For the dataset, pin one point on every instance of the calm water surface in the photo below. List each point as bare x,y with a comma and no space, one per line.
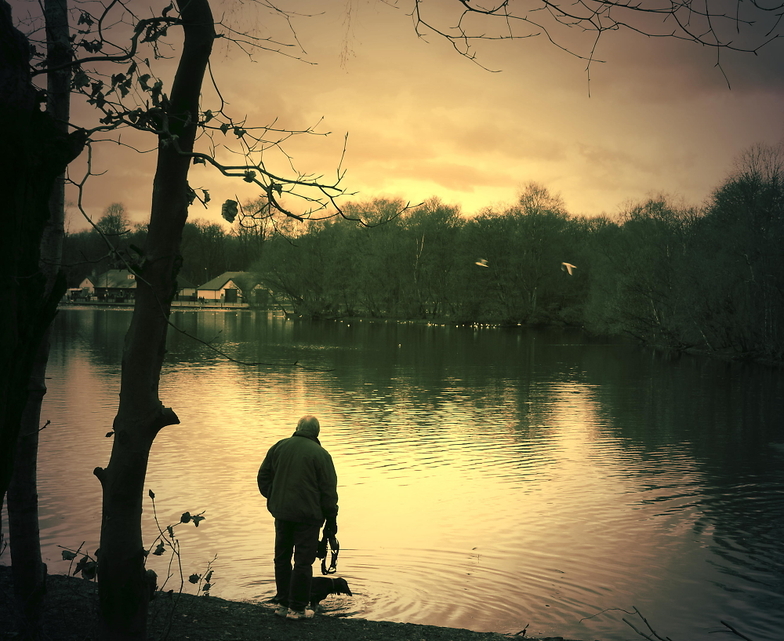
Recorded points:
489,479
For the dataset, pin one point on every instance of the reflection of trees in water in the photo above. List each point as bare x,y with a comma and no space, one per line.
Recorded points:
424,379
98,332
724,416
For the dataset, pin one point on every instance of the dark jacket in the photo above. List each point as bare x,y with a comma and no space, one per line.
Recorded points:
299,480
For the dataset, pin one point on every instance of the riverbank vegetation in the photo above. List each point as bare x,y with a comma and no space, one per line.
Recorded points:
709,279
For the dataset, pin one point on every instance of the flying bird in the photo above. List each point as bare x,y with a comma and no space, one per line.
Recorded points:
482,262
568,267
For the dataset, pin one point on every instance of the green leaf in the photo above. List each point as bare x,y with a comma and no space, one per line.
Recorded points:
80,80
150,493
194,578
197,519
156,91
170,530
186,517
87,567
229,210
89,570
68,555
160,549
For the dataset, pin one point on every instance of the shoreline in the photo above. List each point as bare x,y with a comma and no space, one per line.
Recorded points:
70,614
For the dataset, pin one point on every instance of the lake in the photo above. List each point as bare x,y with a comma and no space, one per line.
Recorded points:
489,478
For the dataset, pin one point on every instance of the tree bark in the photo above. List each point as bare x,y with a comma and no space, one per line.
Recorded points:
33,152
124,588
29,571
27,567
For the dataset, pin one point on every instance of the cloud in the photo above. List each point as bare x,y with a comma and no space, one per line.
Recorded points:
423,121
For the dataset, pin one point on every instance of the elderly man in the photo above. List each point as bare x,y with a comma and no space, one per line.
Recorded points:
298,480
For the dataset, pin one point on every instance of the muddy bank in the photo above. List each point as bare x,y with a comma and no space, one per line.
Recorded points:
71,615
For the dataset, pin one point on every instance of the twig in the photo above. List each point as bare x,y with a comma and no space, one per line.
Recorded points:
734,631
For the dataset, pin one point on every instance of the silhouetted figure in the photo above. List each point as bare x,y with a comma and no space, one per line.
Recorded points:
299,481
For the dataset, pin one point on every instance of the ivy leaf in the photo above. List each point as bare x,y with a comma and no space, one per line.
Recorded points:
109,434
156,91
159,549
194,578
80,80
225,127
86,566
250,176
89,570
68,555
229,210
197,519
186,517
150,493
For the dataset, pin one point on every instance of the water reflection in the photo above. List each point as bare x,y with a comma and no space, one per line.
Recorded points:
489,479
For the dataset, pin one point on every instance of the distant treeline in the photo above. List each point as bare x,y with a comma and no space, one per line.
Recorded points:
208,249
709,278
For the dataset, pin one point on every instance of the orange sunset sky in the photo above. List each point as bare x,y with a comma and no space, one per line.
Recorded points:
655,116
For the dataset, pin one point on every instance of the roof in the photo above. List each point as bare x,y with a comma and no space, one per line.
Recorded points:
184,283
242,279
115,279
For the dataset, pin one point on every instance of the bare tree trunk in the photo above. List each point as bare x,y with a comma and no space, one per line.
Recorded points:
124,588
34,153
29,571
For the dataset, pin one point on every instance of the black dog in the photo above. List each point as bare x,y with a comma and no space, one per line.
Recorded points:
322,586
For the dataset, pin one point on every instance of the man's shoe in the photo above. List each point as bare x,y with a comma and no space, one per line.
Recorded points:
296,615
282,610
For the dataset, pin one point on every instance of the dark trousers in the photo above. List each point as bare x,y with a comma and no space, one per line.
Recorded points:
301,540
